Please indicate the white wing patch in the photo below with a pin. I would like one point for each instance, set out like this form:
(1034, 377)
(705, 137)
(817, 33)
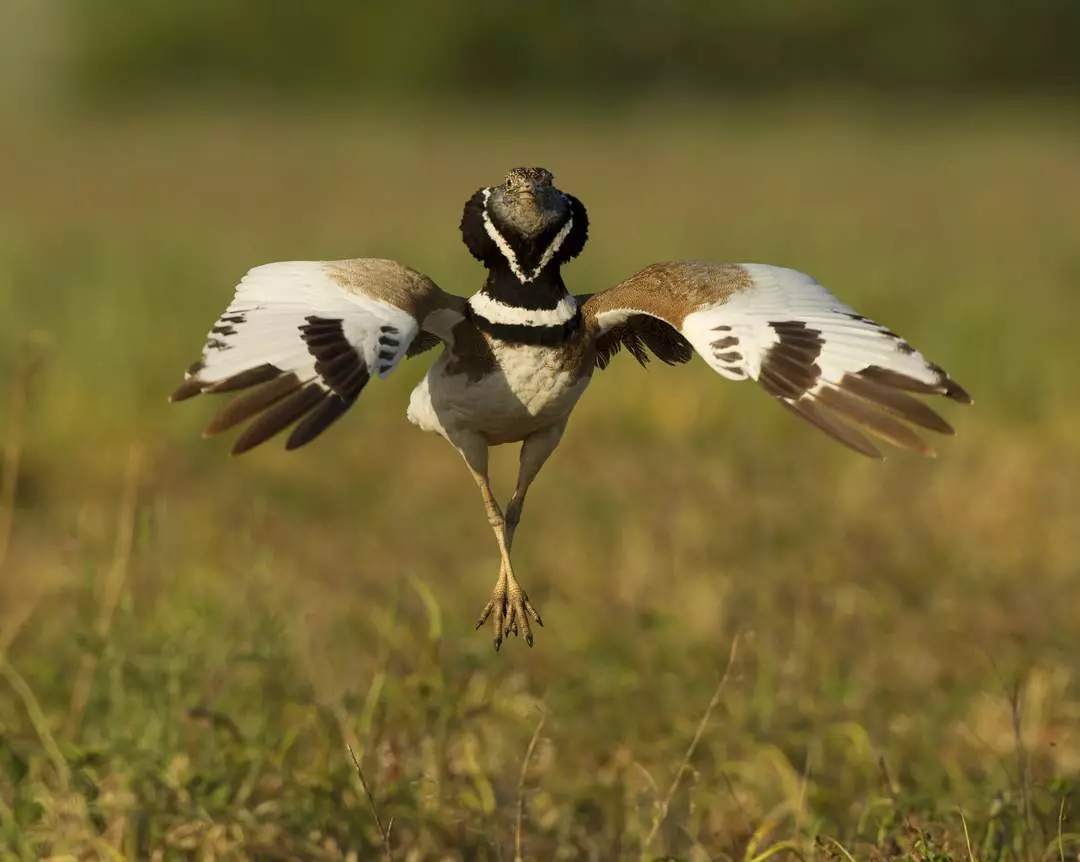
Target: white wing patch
(779, 327)
(736, 335)
(310, 344)
(812, 351)
(272, 302)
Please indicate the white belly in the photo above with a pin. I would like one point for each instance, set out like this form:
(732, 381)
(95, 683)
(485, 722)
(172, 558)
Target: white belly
(532, 387)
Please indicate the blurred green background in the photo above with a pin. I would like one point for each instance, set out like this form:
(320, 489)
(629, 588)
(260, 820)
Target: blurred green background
(188, 642)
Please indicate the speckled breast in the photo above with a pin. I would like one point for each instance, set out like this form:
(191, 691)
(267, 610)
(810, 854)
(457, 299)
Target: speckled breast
(524, 389)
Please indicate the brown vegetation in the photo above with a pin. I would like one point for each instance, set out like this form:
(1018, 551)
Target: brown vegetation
(188, 642)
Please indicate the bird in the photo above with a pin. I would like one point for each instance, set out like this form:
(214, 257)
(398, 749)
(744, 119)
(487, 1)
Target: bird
(300, 340)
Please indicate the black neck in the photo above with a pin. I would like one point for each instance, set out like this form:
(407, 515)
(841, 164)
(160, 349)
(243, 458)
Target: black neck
(525, 301)
(545, 291)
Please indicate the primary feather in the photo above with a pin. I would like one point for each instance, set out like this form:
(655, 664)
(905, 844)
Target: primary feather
(816, 355)
(305, 337)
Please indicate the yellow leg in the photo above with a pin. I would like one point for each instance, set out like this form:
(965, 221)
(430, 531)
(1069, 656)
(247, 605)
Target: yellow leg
(534, 453)
(509, 602)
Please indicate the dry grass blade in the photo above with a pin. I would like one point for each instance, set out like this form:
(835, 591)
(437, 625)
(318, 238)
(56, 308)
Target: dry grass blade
(111, 589)
(840, 848)
(1060, 837)
(521, 787)
(9, 472)
(38, 721)
(384, 828)
(662, 811)
(967, 837)
(15, 622)
(779, 847)
(1023, 761)
(12, 456)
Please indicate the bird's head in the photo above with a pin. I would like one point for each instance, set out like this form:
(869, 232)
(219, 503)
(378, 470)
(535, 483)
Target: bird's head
(526, 224)
(527, 203)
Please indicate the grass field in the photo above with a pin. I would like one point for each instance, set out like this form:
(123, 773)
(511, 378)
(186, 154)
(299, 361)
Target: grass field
(188, 642)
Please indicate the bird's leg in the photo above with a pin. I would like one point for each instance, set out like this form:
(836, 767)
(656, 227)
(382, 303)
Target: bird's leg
(509, 602)
(534, 452)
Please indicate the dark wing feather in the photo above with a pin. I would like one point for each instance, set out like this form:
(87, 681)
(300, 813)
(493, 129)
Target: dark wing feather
(836, 369)
(641, 334)
(423, 342)
(302, 339)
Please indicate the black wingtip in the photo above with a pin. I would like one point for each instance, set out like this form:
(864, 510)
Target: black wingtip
(191, 386)
(188, 389)
(326, 413)
(278, 417)
(957, 392)
(241, 446)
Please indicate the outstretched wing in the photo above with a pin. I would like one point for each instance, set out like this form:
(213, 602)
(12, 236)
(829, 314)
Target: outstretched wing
(304, 337)
(814, 354)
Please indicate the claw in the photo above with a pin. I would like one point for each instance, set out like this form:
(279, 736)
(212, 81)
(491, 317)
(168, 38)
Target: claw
(519, 616)
(510, 610)
(485, 613)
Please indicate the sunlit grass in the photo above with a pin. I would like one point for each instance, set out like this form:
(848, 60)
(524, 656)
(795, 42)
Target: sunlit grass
(192, 640)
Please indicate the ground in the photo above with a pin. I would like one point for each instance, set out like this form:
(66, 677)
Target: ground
(189, 642)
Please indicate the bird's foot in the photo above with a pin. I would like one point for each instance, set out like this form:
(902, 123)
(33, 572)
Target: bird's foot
(510, 607)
